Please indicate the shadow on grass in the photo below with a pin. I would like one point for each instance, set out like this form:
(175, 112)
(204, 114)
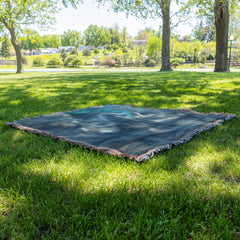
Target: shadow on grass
(106, 197)
(48, 208)
(45, 204)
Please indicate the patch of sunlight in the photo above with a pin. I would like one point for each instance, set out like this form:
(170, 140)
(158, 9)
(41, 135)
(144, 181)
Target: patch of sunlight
(156, 91)
(14, 102)
(110, 97)
(193, 98)
(145, 97)
(223, 188)
(17, 135)
(115, 176)
(66, 172)
(10, 202)
(201, 161)
(5, 207)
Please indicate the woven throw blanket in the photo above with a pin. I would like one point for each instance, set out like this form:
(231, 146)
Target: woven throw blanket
(122, 130)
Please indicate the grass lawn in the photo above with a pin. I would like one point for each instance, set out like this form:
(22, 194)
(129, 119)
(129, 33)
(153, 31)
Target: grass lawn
(52, 190)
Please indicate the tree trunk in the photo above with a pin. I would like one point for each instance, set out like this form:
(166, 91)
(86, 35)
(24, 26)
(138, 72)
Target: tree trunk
(165, 8)
(221, 12)
(17, 48)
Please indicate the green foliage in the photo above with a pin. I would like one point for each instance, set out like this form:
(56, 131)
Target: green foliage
(86, 52)
(24, 60)
(178, 60)
(154, 48)
(115, 35)
(5, 49)
(77, 62)
(71, 38)
(17, 14)
(175, 64)
(119, 60)
(74, 51)
(109, 47)
(145, 35)
(73, 61)
(97, 36)
(38, 62)
(115, 47)
(138, 62)
(109, 62)
(51, 41)
(68, 60)
(96, 50)
(150, 62)
(205, 33)
(63, 54)
(105, 51)
(125, 50)
(118, 52)
(31, 40)
(54, 62)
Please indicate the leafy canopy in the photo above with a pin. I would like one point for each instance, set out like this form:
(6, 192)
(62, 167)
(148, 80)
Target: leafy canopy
(21, 13)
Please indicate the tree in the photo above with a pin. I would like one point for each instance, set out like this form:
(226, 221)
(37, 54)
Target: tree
(5, 50)
(144, 9)
(97, 36)
(124, 35)
(154, 48)
(144, 35)
(115, 35)
(221, 10)
(15, 15)
(31, 41)
(234, 25)
(50, 41)
(205, 32)
(72, 38)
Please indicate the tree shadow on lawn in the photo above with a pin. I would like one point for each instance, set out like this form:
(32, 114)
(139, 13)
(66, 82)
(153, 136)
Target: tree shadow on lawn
(70, 91)
(46, 205)
(161, 198)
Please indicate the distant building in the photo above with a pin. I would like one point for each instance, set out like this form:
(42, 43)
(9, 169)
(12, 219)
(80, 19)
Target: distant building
(48, 50)
(67, 48)
(137, 43)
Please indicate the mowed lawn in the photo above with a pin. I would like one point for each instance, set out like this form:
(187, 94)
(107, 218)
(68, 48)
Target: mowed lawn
(53, 190)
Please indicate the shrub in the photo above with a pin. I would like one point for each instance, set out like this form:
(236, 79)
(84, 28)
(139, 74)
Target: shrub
(125, 50)
(74, 51)
(63, 54)
(96, 50)
(76, 62)
(109, 48)
(38, 62)
(109, 61)
(119, 60)
(118, 52)
(86, 52)
(97, 62)
(178, 60)
(24, 60)
(105, 52)
(150, 62)
(138, 62)
(54, 62)
(175, 64)
(68, 60)
(115, 46)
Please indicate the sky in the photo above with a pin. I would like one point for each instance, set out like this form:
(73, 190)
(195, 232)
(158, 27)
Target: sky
(88, 13)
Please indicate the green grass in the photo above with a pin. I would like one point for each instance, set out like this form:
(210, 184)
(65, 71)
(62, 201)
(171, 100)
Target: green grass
(52, 190)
